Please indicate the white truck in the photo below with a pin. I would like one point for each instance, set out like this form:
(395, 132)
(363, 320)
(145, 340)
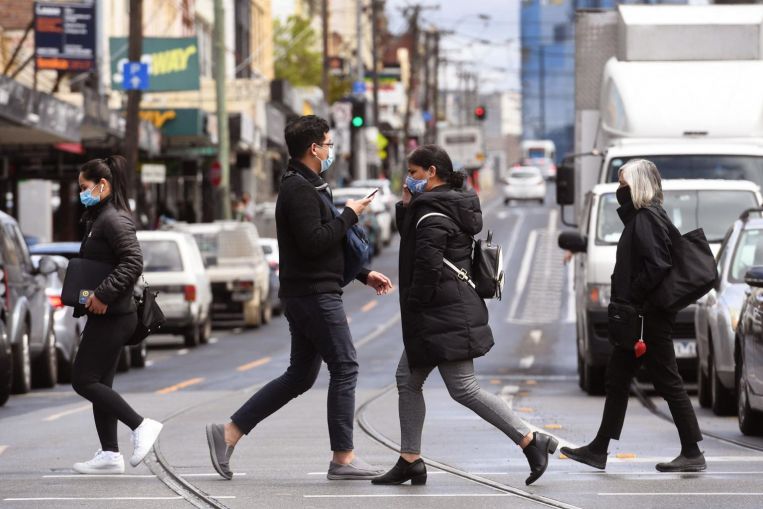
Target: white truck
(465, 146)
(679, 85)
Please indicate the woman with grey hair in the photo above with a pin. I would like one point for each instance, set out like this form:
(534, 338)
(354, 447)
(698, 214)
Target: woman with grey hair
(642, 262)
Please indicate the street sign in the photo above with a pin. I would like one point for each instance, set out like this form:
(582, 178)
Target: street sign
(216, 174)
(358, 87)
(64, 35)
(153, 173)
(173, 62)
(135, 76)
(427, 116)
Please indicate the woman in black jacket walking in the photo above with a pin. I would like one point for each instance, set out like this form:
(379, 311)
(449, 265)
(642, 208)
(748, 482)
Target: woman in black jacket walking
(642, 262)
(111, 314)
(445, 322)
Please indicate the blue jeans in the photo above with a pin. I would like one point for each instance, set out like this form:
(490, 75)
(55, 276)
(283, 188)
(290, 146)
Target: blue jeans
(319, 332)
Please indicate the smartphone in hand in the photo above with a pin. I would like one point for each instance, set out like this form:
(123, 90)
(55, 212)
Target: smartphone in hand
(369, 195)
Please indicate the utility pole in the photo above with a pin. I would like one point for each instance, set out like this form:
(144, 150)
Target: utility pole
(325, 28)
(134, 52)
(359, 147)
(542, 72)
(412, 81)
(436, 87)
(375, 4)
(223, 141)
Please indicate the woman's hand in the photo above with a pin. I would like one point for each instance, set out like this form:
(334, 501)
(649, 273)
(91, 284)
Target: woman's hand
(406, 196)
(95, 306)
(379, 282)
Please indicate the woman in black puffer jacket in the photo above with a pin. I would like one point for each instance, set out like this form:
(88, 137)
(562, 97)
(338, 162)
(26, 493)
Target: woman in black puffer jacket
(445, 322)
(111, 314)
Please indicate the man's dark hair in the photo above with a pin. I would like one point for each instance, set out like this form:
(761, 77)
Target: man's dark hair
(302, 132)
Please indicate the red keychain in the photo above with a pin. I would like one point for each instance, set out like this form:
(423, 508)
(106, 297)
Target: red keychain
(640, 347)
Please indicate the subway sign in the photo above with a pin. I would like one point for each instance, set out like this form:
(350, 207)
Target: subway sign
(173, 62)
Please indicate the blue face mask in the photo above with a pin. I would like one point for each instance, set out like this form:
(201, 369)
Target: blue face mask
(87, 199)
(415, 186)
(326, 163)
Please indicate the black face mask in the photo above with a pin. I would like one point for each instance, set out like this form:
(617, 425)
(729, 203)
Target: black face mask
(623, 195)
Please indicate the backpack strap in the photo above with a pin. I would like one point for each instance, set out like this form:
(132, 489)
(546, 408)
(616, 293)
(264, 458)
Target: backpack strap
(461, 273)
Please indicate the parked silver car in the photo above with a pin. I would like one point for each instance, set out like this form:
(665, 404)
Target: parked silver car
(717, 315)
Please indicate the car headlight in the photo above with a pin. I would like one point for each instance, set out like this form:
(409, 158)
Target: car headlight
(598, 295)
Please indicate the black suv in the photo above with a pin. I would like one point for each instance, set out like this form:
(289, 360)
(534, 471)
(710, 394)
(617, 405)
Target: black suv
(27, 312)
(748, 352)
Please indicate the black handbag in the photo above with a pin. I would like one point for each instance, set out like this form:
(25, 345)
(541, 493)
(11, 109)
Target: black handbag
(82, 277)
(694, 271)
(150, 316)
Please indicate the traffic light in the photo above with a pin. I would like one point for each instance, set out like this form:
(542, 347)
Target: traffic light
(480, 113)
(358, 113)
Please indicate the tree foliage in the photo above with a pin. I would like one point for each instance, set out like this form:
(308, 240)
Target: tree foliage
(298, 58)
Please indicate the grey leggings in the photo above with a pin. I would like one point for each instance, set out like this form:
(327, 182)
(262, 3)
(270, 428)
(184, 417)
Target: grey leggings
(463, 387)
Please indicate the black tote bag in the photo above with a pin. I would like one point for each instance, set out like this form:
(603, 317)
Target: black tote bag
(694, 271)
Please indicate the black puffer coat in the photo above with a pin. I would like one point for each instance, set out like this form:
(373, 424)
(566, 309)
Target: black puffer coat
(110, 237)
(443, 318)
(643, 254)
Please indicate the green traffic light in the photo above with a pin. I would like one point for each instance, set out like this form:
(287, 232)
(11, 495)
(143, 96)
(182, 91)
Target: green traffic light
(357, 121)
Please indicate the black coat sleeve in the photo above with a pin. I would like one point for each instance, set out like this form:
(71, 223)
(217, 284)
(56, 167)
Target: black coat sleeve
(313, 238)
(120, 235)
(431, 241)
(652, 243)
(400, 211)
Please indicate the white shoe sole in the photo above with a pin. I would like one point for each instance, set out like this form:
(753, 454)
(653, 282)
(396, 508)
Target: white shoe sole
(137, 459)
(96, 471)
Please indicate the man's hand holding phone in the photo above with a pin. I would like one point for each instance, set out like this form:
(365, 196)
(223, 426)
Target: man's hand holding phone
(358, 206)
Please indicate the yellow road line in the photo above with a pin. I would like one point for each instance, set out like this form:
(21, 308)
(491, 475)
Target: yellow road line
(57, 416)
(368, 307)
(625, 456)
(253, 364)
(181, 385)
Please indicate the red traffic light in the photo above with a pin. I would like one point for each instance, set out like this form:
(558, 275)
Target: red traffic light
(480, 112)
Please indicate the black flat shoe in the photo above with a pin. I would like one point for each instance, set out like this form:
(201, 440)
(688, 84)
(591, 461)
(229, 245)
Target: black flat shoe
(586, 456)
(683, 464)
(537, 455)
(403, 471)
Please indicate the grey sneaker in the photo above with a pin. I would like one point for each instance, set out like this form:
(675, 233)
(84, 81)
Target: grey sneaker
(356, 470)
(219, 451)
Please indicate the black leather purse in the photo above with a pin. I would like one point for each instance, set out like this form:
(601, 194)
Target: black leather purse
(150, 316)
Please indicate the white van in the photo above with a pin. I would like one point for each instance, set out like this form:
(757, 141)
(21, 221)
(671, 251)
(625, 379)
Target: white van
(540, 153)
(172, 264)
(713, 205)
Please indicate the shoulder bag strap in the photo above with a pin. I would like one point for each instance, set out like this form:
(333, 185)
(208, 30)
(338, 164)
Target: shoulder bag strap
(461, 273)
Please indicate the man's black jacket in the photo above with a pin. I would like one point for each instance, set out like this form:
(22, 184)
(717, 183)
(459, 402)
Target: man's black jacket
(310, 238)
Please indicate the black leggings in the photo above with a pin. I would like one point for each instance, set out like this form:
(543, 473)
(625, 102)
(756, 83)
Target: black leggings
(93, 374)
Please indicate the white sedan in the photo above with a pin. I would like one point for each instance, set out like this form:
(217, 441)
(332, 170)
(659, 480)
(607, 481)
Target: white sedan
(524, 183)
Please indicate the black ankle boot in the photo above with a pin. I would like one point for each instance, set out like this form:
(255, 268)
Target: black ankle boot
(403, 471)
(587, 456)
(537, 454)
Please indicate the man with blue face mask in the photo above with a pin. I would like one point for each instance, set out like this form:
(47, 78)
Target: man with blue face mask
(311, 236)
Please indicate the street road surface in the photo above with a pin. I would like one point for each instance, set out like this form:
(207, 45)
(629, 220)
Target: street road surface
(284, 461)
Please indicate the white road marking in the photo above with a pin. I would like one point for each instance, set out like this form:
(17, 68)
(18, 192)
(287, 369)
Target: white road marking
(571, 315)
(524, 272)
(414, 495)
(149, 364)
(503, 214)
(182, 351)
(664, 475)
(114, 499)
(553, 215)
(536, 335)
(380, 329)
(129, 476)
(57, 416)
(213, 340)
(526, 362)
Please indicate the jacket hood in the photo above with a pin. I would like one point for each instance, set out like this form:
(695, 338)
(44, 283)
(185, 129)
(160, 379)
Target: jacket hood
(461, 206)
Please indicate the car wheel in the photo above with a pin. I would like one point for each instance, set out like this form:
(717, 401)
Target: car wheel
(750, 421)
(703, 387)
(581, 380)
(192, 337)
(139, 355)
(267, 312)
(22, 364)
(722, 398)
(6, 366)
(123, 365)
(506, 201)
(45, 370)
(205, 330)
(542, 201)
(253, 312)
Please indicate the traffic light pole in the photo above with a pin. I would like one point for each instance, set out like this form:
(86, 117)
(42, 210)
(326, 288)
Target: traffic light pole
(223, 147)
(359, 156)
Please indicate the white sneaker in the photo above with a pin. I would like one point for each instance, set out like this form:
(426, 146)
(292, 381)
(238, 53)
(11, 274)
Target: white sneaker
(104, 462)
(143, 439)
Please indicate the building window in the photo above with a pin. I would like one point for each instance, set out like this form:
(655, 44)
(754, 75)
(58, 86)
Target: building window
(204, 35)
(243, 13)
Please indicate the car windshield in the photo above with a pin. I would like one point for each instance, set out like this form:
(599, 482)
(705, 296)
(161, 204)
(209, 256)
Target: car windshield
(749, 253)
(711, 210)
(228, 244)
(726, 167)
(522, 174)
(161, 256)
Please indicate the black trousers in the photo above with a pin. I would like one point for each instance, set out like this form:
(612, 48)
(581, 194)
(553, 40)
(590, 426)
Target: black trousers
(660, 361)
(93, 374)
(319, 331)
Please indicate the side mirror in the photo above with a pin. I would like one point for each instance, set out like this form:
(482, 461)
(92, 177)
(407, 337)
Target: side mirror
(754, 277)
(573, 241)
(565, 183)
(47, 266)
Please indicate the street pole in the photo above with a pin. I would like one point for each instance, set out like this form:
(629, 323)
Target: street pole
(359, 147)
(414, 29)
(375, 4)
(542, 72)
(427, 84)
(134, 52)
(223, 141)
(436, 88)
(325, 72)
